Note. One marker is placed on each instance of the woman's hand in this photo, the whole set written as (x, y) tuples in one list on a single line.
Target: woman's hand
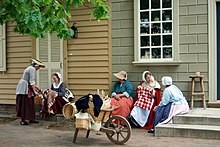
[(117, 97), (155, 108)]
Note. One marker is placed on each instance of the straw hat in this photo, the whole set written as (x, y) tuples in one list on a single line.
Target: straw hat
[(121, 75), (38, 62)]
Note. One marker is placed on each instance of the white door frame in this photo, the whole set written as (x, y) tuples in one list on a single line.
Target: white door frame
[(49, 64), (212, 50)]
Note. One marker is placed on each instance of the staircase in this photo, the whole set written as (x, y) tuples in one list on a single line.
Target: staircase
[(198, 123)]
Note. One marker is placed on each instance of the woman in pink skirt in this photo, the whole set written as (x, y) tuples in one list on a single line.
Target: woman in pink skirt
[(122, 93)]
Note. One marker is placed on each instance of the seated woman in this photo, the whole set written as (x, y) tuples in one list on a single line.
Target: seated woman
[(53, 101), (172, 103), (122, 95), (148, 96)]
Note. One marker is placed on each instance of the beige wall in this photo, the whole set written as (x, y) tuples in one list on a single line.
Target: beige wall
[(88, 57), (193, 44), (18, 50)]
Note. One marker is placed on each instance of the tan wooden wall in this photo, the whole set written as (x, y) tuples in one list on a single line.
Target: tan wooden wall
[(88, 57), (18, 50)]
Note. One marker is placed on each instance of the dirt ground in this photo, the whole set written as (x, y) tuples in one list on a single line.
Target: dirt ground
[(60, 134)]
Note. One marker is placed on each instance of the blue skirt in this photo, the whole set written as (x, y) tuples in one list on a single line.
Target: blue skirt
[(161, 114)]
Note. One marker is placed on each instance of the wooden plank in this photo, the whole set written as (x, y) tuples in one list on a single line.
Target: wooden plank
[(88, 69), (87, 86), (20, 60), (88, 81), (80, 11), (87, 58), (14, 71), (88, 41), (19, 65), (9, 81), (18, 49), (92, 29), (87, 52), (93, 35), (10, 76), (88, 23), (86, 46), (13, 86), (88, 64), (5, 101), (88, 75), (18, 39), (7, 91), (8, 96), (82, 18), (20, 55), (19, 44)]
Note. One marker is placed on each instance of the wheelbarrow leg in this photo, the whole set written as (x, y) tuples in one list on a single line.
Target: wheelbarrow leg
[(75, 135), (87, 134)]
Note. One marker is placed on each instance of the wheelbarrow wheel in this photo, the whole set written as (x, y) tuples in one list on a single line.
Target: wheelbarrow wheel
[(121, 127)]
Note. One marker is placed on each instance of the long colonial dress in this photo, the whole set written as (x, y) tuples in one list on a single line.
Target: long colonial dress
[(25, 107), (172, 103), (56, 102), (122, 106), (144, 116)]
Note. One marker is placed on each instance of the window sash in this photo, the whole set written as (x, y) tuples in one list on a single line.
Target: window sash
[(150, 23), (175, 38)]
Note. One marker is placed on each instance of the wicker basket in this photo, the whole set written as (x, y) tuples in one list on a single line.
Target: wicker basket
[(83, 123), (37, 100), (69, 110)]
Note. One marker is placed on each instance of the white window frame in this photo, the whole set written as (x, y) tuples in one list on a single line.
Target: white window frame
[(3, 56), (175, 38)]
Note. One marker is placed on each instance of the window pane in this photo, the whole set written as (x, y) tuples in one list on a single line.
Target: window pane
[(144, 4), (145, 53), (156, 53), (167, 40), (144, 28), (155, 28), (155, 4), (155, 16), (144, 41), (155, 40), (167, 15), (167, 52), (144, 16), (167, 4), (167, 27)]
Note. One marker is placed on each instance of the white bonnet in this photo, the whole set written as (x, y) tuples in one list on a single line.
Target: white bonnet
[(166, 80)]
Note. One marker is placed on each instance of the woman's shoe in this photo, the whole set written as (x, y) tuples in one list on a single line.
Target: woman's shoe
[(33, 121), (151, 131), (23, 123)]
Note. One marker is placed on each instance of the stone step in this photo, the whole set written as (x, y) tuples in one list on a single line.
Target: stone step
[(214, 104), (197, 120), (199, 116), (189, 131)]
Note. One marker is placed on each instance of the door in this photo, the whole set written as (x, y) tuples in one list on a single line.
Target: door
[(218, 48), (50, 52)]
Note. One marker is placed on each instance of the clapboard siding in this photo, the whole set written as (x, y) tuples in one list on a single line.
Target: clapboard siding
[(18, 50), (89, 55)]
